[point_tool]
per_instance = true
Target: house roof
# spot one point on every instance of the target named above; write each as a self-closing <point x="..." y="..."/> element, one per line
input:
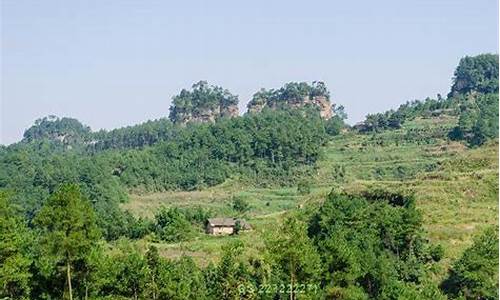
<point x="224" y="222"/>
<point x="227" y="222"/>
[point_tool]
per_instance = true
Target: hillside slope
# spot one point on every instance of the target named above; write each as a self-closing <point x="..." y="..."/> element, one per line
<point x="455" y="187"/>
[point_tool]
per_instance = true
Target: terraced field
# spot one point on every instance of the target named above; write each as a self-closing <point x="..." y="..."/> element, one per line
<point x="456" y="188"/>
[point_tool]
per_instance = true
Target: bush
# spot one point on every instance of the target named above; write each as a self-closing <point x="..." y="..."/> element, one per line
<point x="304" y="187"/>
<point x="240" y="205"/>
<point x="475" y="274"/>
<point x="436" y="252"/>
<point x="172" y="226"/>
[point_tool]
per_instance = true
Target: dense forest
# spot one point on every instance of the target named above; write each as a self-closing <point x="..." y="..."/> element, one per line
<point x="63" y="234"/>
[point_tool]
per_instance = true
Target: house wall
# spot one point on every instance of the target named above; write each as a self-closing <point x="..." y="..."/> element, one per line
<point x="220" y="230"/>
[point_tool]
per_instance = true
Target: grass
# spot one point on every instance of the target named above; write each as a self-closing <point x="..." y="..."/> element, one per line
<point x="456" y="188"/>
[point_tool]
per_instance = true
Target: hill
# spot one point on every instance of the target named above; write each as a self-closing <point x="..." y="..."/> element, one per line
<point x="403" y="205"/>
<point x="455" y="187"/>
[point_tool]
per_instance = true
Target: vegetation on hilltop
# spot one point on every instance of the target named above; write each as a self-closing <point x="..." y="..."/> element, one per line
<point x="476" y="74"/>
<point x="293" y="95"/>
<point x="267" y="148"/>
<point x="473" y="97"/>
<point x="290" y="91"/>
<point x="133" y="137"/>
<point x="203" y="103"/>
<point x="67" y="131"/>
<point x="397" y="196"/>
<point x="478" y="120"/>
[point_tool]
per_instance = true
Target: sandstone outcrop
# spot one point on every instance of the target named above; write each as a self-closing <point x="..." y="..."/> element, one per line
<point x="203" y="104"/>
<point x="293" y="95"/>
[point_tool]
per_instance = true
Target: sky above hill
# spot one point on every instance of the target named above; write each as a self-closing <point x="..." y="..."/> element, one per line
<point x="116" y="63"/>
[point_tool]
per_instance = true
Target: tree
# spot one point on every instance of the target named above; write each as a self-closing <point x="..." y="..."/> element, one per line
<point x="368" y="243"/>
<point x="475" y="274"/>
<point x="476" y="74"/>
<point x="230" y="275"/>
<point x="132" y="275"/>
<point x="181" y="279"/>
<point x="291" y="96"/>
<point x="334" y="125"/>
<point x="304" y="187"/>
<point x="294" y="255"/>
<point x="171" y="225"/>
<point x="15" y="261"/>
<point x="64" y="130"/>
<point x="200" y="100"/>
<point x="240" y="205"/>
<point x="68" y="231"/>
<point x="478" y="121"/>
<point x="153" y="261"/>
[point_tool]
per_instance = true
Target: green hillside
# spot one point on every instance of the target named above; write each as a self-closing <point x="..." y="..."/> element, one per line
<point x="401" y="206"/>
<point x="455" y="187"/>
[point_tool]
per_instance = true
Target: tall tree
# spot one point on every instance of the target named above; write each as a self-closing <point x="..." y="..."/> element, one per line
<point x="294" y="256"/>
<point x="15" y="262"/>
<point x="153" y="261"/>
<point x="67" y="231"/>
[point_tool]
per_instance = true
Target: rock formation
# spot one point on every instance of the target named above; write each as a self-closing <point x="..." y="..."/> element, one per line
<point x="293" y="95"/>
<point x="203" y="104"/>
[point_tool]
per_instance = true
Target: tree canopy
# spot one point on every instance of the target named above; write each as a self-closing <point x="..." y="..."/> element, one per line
<point x="476" y="74"/>
<point x="202" y="101"/>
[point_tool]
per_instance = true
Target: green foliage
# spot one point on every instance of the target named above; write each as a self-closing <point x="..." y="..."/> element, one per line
<point x="33" y="171"/>
<point x="361" y="245"/>
<point x="200" y="101"/>
<point x="410" y="110"/>
<point x="123" y="274"/>
<point x="295" y="260"/>
<point x="474" y="96"/>
<point x="336" y="123"/>
<point x="128" y="274"/>
<point x="369" y="241"/>
<point x="232" y="273"/>
<point x="196" y="215"/>
<point x="137" y="136"/>
<point x="171" y="225"/>
<point x="266" y="145"/>
<point x="304" y="187"/>
<point x="64" y="130"/>
<point x="398" y="290"/>
<point x="15" y="256"/>
<point x="240" y="205"/>
<point x="436" y="252"/>
<point x="290" y="94"/>
<point x="475" y="274"/>
<point x="67" y="233"/>
<point x="476" y="74"/>
<point x="478" y="120"/>
<point x="180" y="280"/>
<point x="272" y="147"/>
<point x="476" y="89"/>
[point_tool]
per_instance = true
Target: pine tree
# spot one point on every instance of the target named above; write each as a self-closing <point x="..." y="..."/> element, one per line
<point x="15" y="262"/>
<point x="67" y="231"/>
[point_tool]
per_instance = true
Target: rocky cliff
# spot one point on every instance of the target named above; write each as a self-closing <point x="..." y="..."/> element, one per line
<point x="203" y="104"/>
<point x="293" y="95"/>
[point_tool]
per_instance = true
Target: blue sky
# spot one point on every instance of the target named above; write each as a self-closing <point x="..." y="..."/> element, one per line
<point x="116" y="63"/>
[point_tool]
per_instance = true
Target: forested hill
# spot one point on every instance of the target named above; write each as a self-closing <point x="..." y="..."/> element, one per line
<point x="203" y="103"/>
<point x="473" y="98"/>
<point x="287" y="141"/>
<point x="277" y="144"/>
